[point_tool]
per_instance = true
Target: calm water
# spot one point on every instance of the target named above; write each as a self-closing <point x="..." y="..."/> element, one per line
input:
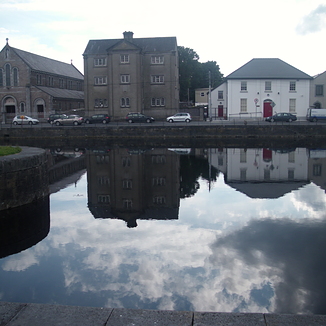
<point x="227" y="230"/>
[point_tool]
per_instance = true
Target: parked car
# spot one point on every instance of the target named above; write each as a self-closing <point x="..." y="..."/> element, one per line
<point x="98" y="118"/>
<point x="53" y="117"/>
<point x="287" y="117"/>
<point x="182" y="116"/>
<point x="138" y="117"/>
<point x="24" y="119"/>
<point x="69" y="120"/>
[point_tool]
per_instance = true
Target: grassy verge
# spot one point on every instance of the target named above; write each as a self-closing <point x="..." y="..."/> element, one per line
<point x="8" y="150"/>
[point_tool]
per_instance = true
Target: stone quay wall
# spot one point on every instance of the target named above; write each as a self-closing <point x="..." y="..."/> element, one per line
<point x="23" y="177"/>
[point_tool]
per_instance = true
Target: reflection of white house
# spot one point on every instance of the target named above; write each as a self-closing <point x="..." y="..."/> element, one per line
<point x="266" y="173"/>
<point x="317" y="91"/>
<point x="261" y="88"/>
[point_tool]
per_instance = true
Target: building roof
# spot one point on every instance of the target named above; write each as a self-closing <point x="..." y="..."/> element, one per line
<point x="62" y="93"/>
<point x="155" y="44"/>
<point x="266" y="68"/>
<point x="43" y="64"/>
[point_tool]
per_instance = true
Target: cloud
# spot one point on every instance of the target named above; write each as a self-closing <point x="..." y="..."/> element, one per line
<point x="313" y="22"/>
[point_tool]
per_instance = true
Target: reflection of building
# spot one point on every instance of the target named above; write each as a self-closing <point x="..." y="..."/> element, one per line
<point x="317" y="167"/>
<point x="266" y="173"/>
<point x="131" y="185"/>
<point x="37" y="86"/>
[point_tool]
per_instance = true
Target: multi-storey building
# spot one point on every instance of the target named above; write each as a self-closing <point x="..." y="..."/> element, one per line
<point x="132" y="75"/>
<point x="37" y="86"/>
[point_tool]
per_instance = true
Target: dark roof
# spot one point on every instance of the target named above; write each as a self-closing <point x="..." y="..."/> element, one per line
<point x="267" y="69"/>
<point x="62" y="93"/>
<point x="155" y="44"/>
<point x="43" y="64"/>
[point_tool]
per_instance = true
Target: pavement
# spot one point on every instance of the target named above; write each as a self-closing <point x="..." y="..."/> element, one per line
<point x="32" y="314"/>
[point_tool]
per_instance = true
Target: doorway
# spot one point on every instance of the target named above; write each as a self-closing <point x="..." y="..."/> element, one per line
<point x="268" y="108"/>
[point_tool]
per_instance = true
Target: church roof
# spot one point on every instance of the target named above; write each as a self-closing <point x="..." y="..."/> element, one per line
<point x="43" y="64"/>
<point x="267" y="68"/>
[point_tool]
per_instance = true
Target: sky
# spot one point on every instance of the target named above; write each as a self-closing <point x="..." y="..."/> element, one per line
<point x="229" y="32"/>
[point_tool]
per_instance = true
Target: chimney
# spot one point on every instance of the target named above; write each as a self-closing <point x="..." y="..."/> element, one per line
<point x="128" y="35"/>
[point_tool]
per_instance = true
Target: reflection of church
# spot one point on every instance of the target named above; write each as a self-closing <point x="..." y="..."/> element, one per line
<point x="133" y="184"/>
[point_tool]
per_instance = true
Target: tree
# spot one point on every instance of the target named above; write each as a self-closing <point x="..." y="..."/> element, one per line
<point x="194" y="74"/>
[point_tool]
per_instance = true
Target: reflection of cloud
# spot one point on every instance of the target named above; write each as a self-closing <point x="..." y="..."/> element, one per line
<point x="313" y="22"/>
<point x="287" y="254"/>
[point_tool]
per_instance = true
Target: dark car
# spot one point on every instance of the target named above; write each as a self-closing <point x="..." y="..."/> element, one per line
<point x="285" y="117"/>
<point x="138" y="117"/>
<point x="53" y="117"/>
<point x="98" y="118"/>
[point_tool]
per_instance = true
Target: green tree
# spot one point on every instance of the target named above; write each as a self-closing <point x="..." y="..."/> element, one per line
<point x="194" y="74"/>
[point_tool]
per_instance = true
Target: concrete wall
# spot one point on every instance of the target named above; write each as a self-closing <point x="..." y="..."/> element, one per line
<point x="23" y="177"/>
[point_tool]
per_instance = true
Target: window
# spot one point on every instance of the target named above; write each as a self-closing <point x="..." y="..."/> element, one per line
<point x="243" y="155"/>
<point x="157" y="59"/>
<point x="292" y="105"/>
<point x="291" y="157"/>
<point x="243" y="105"/>
<point x="103" y="180"/>
<point x="125" y="102"/>
<point x="69" y="84"/>
<point x="268" y="86"/>
<point x="267" y="174"/>
<point x="290" y="174"/>
<point x="39" y="79"/>
<point x="158" y="159"/>
<point x="127" y="203"/>
<point x="243" y="175"/>
<point x="50" y="81"/>
<point x="1" y="77"/>
<point x="99" y="62"/>
<point x="220" y="95"/>
<point x="157" y="79"/>
<point x="22" y="107"/>
<point x="103" y="199"/>
<point x="158" y="181"/>
<point x="100" y="80"/>
<point x="316" y="170"/>
<point x="125" y="79"/>
<point x="124" y="58"/>
<point x="292" y="86"/>
<point x="7" y="68"/>
<point x="319" y="90"/>
<point x="159" y="200"/>
<point x="15" y="72"/>
<point x="160" y="101"/>
<point x="127" y="184"/>
<point x="243" y="86"/>
<point x="101" y="102"/>
<point x="61" y="84"/>
<point x="79" y="86"/>
<point x="125" y="161"/>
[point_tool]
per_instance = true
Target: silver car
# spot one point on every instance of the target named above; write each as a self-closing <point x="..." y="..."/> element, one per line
<point x="69" y="120"/>
<point x="182" y="116"/>
<point x="24" y="119"/>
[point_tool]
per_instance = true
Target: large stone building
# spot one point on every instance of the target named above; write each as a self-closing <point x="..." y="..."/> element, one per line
<point x="37" y="86"/>
<point x="132" y="75"/>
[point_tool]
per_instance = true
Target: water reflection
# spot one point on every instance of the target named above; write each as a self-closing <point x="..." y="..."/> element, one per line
<point x="218" y="230"/>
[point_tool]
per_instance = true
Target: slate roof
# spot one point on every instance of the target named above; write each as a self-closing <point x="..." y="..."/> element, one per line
<point x="265" y="68"/>
<point x="62" y="93"/>
<point x="43" y="64"/>
<point x="155" y="44"/>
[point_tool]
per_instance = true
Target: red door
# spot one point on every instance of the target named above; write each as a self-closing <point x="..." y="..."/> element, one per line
<point x="268" y="109"/>
<point x="220" y="111"/>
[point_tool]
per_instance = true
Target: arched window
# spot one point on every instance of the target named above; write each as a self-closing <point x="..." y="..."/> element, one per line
<point x="1" y="77"/>
<point x="7" y="68"/>
<point x="15" y="73"/>
<point x="22" y="107"/>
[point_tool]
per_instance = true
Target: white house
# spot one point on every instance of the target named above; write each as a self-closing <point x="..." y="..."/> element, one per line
<point x="259" y="89"/>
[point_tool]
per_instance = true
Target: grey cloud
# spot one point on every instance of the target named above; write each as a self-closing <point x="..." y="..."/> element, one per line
<point x="313" y="22"/>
